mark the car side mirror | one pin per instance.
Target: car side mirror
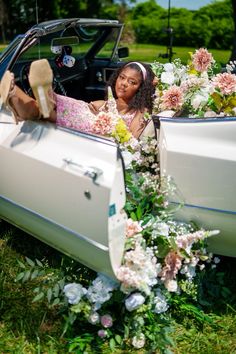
(123, 52)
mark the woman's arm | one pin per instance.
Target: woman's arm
(95, 106)
(138, 124)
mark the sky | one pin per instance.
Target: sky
(188, 4)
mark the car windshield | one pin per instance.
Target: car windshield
(98, 40)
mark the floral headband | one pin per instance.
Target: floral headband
(142, 68)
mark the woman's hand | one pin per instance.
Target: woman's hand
(95, 106)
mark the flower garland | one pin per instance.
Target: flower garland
(195, 90)
(161, 261)
(163, 258)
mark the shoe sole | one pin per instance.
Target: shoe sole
(5, 93)
(40, 79)
(5, 86)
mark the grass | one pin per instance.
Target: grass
(150, 52)
(32, 328)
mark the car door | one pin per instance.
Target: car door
(199, 155)
(67, 189)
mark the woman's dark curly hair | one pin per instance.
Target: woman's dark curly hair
(144, 96)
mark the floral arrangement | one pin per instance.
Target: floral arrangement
(164, 259)
(195, 90)
(110, 124)
(162, 263)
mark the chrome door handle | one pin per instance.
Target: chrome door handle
(89, 171)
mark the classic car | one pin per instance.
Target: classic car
(67, 188)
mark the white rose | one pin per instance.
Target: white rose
(138, 341)
(210, 114)
(168, 78)
(94, 318)
(128, 158)
(168, 67)
(134, 301)
(160, 303)
(198, 100)
(74, 292)
(163, 229)
(171, 285)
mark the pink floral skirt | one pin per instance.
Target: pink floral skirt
(75, 114)
(72, 113)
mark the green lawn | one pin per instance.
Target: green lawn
(151, 52)
(33, 328)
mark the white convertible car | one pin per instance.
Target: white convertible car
(200, 156)
(67, 188)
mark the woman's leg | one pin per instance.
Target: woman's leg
(20, 104)
(23, 105)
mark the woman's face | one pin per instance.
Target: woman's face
(128, 83)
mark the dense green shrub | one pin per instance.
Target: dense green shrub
(211, 26)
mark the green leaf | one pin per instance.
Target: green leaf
(217, 99)
(26, 275)
(61, 283)
(49, 295)
(36, 290)
(56, 301)
(139, 212)
(38, 297)
(21, 264)
(118, 339)
(20, 276)
(39, 263)
(126, 332)
(34, 274)
(30, 262)
(112, 344)
(56, 290)
(133, 216)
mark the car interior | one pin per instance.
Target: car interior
(82, 59)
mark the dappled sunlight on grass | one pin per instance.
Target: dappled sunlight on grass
(27, 327)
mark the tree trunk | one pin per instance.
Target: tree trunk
(233, 53)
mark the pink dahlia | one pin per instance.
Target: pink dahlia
(202, 60)
(225, 82)
(103, 123)
(172, 98)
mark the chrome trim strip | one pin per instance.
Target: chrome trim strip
(196, 120)
(82, 237)
(89, 136)
(206, 208)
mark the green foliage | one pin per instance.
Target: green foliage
(211, 26)
(26, 327)
(51, 284)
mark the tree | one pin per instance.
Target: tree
(4, 19)
(233, 53)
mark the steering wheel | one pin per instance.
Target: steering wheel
(24, 81)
